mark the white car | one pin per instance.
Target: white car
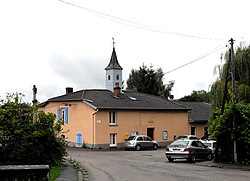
(210, 144)
(140, 142)
(190, 137)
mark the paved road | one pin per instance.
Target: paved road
(148, 165)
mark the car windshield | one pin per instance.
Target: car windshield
(131, 138)
(179, 144)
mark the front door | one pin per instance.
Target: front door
(150, 133)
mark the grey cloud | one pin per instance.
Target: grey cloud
(80, 72)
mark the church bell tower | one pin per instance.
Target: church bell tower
(113, 72)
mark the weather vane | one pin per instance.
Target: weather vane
(113, 42)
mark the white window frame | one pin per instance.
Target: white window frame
(112, 118)
(134, 133)
(165, 135)
(112, 140)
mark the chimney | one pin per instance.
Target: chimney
(69, 90)
(117, 90)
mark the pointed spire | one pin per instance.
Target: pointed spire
(113, 64)
(113, 42)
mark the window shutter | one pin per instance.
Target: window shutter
(58, 114)
(66, 115)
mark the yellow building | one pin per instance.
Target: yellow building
(104, 118)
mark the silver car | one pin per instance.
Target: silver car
(189, 150)
(139, 142)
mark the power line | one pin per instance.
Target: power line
(199, 58)
(135, 24)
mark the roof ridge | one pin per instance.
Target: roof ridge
(179, 103)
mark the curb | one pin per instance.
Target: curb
(82, 174)
(225, 166)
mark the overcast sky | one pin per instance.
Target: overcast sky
(56, 44)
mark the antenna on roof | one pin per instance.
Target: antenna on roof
(113, 42)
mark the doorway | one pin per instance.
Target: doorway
(150, 132)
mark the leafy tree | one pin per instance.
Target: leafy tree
(197, 96)
(25, 142)
(241, 74)
(150, 81)
(233, 118)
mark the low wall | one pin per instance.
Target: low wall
(24, 172)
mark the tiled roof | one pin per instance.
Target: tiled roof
(128, 100)
(200, 112)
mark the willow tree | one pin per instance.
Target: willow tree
(231, 122)
(241, 76)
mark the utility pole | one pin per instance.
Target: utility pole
(231, 41)
(34, 104)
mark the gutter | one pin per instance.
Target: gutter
(93, 127)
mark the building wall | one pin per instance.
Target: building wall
(95, 128)
(79, 120)
(110, 84)
(175, 123)
(199, 129)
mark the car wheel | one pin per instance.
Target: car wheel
(210, 156)
(170, 159)
(192, 159)
(155, 147)
(138, 147)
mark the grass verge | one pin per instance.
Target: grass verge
(55, 171)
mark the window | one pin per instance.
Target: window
(164, 135)
(113, 140)
(78, 139)
(194, 143)
(205, 131)
(193, 130)
(139, 139)
(117, 77)
(112, 118)
(134, 133)
(62, 114)
(200, 144)
(147, 138)
(108, 77)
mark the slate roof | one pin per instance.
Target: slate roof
(113, 64)
(128, 100)
(200, 111)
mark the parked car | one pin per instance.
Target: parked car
(190, 137)
(210, 144)
(189, 150)
(139, 142)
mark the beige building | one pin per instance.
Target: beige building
(104, 118)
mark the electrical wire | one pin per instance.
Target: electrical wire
(199, 58)
(135, 24)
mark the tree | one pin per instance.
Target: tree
(25, 142)
(150, 81)
(231, 122)
(225, 130)
(197, 96)
(242, 78)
